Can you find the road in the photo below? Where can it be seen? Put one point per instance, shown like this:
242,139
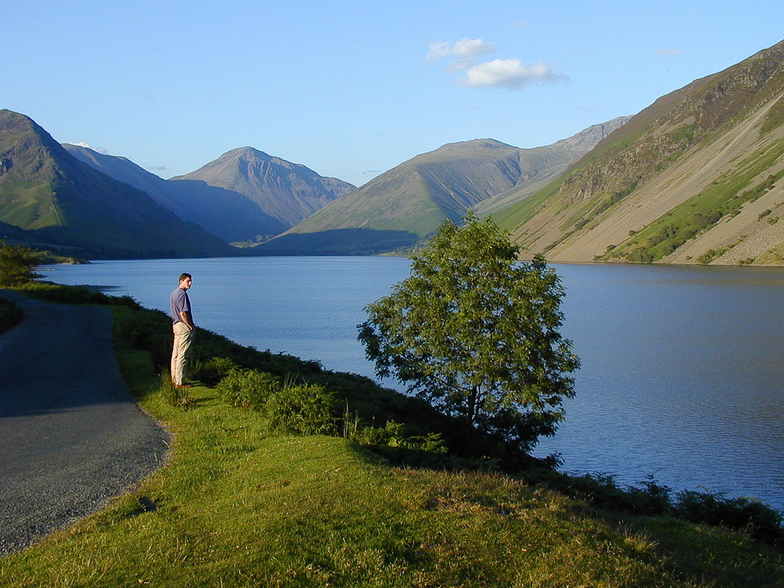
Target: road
71,436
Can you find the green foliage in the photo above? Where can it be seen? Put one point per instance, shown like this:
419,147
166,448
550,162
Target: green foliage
80,295
683,133
395,443
212,371
303,409
247,388
173,395
650,498
394,434
758,520
17,265
150,331
723,199
476,333
236,507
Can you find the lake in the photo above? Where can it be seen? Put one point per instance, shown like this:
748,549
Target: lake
681,375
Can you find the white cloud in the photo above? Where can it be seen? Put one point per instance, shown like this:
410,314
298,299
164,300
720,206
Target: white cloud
88,146
464,49
511,74
670,52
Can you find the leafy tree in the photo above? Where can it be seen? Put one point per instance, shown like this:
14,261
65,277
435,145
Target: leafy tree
17,264
476,333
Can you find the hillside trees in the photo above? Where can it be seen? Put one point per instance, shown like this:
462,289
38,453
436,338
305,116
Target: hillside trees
476,333
17,264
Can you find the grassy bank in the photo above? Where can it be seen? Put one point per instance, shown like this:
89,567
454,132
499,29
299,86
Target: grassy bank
241,505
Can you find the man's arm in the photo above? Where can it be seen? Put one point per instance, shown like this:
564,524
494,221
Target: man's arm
185,316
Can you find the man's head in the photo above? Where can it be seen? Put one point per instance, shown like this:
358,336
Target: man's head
185,281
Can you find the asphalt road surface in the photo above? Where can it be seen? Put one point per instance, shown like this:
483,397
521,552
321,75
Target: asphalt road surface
71,436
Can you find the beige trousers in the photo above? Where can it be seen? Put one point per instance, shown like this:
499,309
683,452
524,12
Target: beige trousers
183,337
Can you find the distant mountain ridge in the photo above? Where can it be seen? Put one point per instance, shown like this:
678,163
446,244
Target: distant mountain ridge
697,177
62,204
287,191
407,204
229,215
541,165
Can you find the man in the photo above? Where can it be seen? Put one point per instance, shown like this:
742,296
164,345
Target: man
183,327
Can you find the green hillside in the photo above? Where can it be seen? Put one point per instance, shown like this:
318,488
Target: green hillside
66,205
405,205
417,195
240,504
694,178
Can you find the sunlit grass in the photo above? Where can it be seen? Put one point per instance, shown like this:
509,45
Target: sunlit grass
235,506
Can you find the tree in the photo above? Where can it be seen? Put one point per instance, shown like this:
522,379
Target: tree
17,264
475,332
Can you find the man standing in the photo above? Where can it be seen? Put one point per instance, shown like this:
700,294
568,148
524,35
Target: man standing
183,327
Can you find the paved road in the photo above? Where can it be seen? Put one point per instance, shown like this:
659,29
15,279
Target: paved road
71,437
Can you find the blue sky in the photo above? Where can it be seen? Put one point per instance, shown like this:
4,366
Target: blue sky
352,89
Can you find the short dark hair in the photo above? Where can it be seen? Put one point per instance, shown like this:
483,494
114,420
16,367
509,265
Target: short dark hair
184,276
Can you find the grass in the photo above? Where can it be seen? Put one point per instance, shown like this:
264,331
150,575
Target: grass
239,506
724,198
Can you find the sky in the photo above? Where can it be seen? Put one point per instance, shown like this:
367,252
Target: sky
352,89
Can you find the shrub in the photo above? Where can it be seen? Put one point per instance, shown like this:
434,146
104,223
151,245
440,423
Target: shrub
17,264
395,435
247,388
305,409
758,520
211,372
149,331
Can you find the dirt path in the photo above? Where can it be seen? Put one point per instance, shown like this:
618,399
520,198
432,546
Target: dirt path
71,437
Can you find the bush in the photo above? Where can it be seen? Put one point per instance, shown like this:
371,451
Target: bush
305,409
149,331
756,519
247,388
17,264
211,372
395,435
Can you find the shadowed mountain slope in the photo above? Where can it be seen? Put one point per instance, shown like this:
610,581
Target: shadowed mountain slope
70,207
415,197
231,216
286,191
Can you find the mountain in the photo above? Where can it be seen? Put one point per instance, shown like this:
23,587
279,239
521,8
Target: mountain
66,205
407,204
694,178
231,216
286,191
542,165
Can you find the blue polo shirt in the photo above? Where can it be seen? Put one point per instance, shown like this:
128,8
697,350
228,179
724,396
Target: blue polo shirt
179,302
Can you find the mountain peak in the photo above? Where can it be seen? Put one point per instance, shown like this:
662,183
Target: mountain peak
246,153
410,201
286,191
65,204
475,144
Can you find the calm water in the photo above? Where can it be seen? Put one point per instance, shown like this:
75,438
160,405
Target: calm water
681,379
